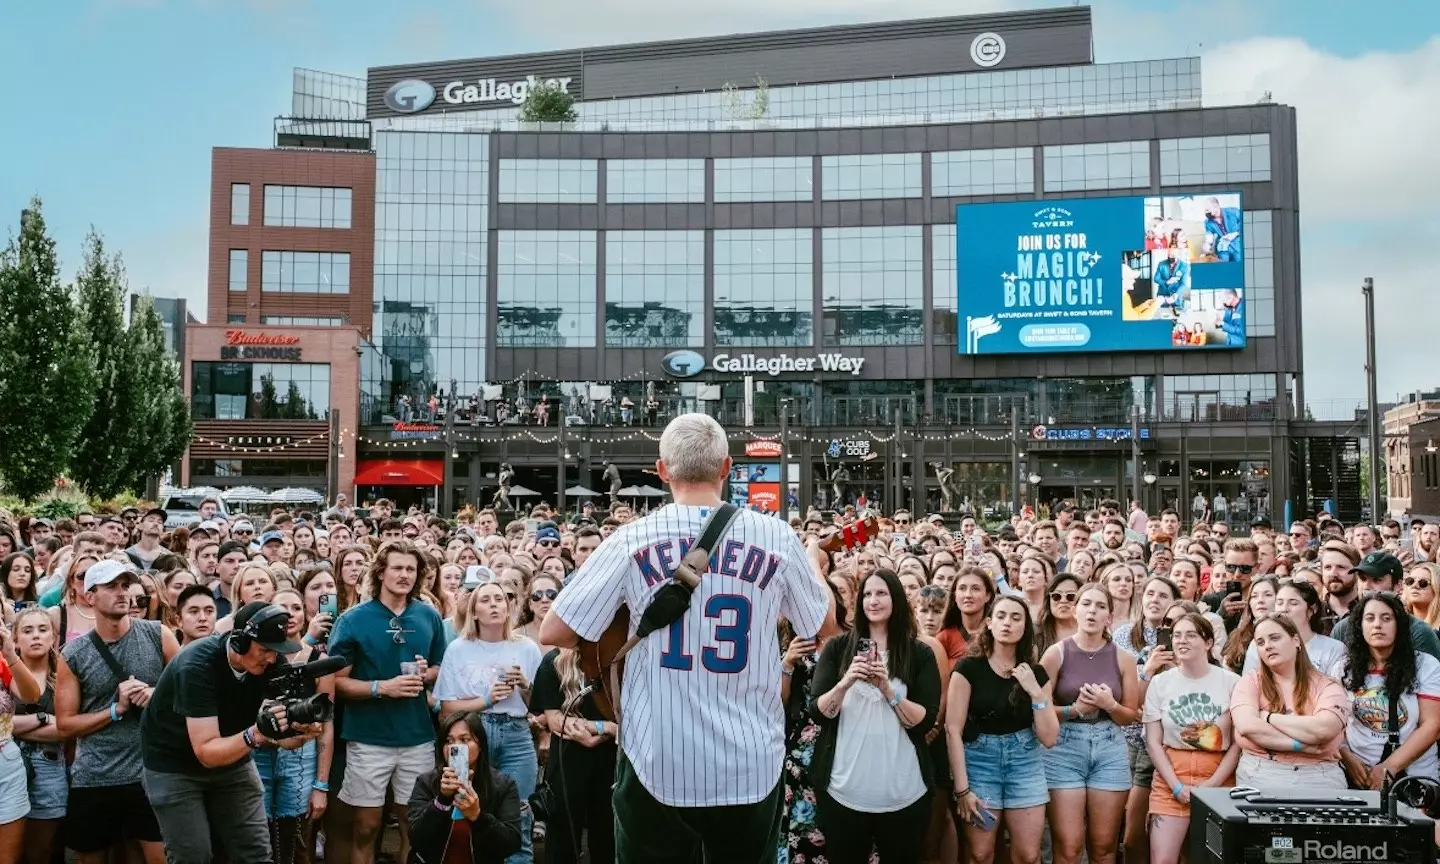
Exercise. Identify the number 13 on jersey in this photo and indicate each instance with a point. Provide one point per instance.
(731, 651)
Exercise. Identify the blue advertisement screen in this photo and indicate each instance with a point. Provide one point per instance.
(1101, 274)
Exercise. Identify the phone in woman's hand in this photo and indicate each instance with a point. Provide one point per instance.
(328, 605)
(983, 818)
(457, 756)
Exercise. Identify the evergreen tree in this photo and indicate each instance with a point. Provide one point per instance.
(157, 379)
(269, 401)
(47, 366)
(111, 438)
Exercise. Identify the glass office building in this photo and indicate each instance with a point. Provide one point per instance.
(764, 227)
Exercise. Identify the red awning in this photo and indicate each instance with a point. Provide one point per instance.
(400, 472)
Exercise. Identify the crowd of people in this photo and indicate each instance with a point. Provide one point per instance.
(1035, 690)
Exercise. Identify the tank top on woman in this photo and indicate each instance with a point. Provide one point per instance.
(1079, 667)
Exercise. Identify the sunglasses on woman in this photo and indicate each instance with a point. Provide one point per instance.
(1413, 582)
(544, 594)
(1063, 596)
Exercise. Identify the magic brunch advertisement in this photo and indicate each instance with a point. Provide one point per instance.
(1101, 274)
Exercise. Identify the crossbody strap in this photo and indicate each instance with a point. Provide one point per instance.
(1392, 739)
(104, 651)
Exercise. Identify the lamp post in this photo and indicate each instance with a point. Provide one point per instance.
(1149, 479)
(1035, 488)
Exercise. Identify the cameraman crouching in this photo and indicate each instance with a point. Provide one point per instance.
(203, 721)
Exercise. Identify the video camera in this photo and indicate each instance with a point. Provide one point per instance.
(293, 686)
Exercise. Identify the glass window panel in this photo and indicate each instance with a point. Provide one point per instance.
(239, 203)
(547, 289)
(288, 272)
(307, 207)
(764, 288)
(874, 175)
(764, 179)
(239, 269)
(260, 391)
(873, 286)
(983, 172)
(633, 181)
(1215, 159)
(548, 181)
(1080, 167)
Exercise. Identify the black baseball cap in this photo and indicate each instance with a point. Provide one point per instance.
(1380, 564)
(268, 627)
(232, 546)
(154, 510)
(1262, 523)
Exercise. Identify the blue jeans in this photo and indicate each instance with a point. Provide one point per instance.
(512, 753)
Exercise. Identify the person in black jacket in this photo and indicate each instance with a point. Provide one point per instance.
(876, 693)
(488, 806)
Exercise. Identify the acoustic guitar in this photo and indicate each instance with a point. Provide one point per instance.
(603, 661)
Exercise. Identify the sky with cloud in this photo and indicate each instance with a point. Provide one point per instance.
(116, 104)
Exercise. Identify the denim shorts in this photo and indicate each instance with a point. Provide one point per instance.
(1089, 756)
(1006, 772)
(1142, 770)
(49, 781)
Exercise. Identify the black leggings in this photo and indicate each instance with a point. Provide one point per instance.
(582, 800)
(850, 835)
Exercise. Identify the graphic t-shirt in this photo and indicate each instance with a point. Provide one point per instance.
(1369, 725)
(1190, 710)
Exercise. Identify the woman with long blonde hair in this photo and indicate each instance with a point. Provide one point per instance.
(40, 741)
(253, 583)
(489, 670)
(581, 761)
(1418, 589)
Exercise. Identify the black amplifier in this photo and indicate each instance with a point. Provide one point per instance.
(1231, 826)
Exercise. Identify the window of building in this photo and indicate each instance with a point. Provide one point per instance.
(983, 172)
(307, 206)
(239, 269)
(259, 391)
(1080, 167)
(302, 321)
(764, 288)
(1259, 251)
(235, 318)
(305, 272)
(1098, 401)
(779, 178)
(872, 175)
(945, 301)
(546, 289)
(548, 181)
(636, 181)
(654, 288)
(1215, 159)
(1219, 398)
(239, 203)
(1231, 490)
(986, 401)
(873, 286)
(258, 467)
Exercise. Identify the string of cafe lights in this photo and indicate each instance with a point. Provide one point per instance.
(462, 437)
(272, 448)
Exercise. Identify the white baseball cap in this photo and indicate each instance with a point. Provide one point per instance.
(106, 572)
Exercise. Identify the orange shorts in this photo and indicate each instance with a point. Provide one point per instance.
(1192, 767)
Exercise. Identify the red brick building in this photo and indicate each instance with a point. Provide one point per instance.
(273, 375)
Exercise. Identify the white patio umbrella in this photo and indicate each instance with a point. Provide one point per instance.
(245, 495)
(581, 492)
(523, 492)
(296, 495)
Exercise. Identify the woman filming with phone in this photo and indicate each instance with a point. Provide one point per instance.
(463, 803)
(998, 717)
(879, 694)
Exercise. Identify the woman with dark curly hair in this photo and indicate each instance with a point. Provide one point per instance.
(1394, 697)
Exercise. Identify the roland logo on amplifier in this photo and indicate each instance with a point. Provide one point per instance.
(1321, 850)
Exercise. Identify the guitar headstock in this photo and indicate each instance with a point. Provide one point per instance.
(857, 533)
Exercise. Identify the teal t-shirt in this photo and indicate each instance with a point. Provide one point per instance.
(376, 641)
(51, 598)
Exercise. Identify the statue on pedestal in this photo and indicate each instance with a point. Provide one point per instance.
(839, 479)
(611, 476)
(501, 501)
(943, 473)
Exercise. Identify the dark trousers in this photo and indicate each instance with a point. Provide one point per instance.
(225, 804)
(850, 835)
(582, 780)
(648, 832)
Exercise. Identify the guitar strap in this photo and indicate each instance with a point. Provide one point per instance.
(695, 563)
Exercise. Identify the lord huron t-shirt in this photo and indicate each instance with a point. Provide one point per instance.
(1190, 710)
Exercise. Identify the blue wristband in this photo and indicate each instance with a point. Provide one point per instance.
(1176, 790)
(374, 689)
(114, 712)
(1295, 745)
(311, 640)
(599, 727)
(320, 786)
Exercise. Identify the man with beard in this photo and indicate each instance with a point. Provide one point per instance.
(1337, 563)
(396, 642)
(1112, 535)
(1363, 538)
(152, 527)
(1381, 571)
(1427, 542)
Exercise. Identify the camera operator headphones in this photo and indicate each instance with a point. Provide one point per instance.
(241, 640)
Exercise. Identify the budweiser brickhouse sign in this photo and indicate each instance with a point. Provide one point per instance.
(245, 345)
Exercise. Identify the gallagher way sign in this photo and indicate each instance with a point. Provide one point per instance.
(688, 364)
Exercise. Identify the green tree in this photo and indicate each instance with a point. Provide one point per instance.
(157, 379)
(109, 440)
(47, 366)
(548, 103)
(269, 400)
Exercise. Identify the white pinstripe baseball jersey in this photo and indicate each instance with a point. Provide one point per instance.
(701, 718)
